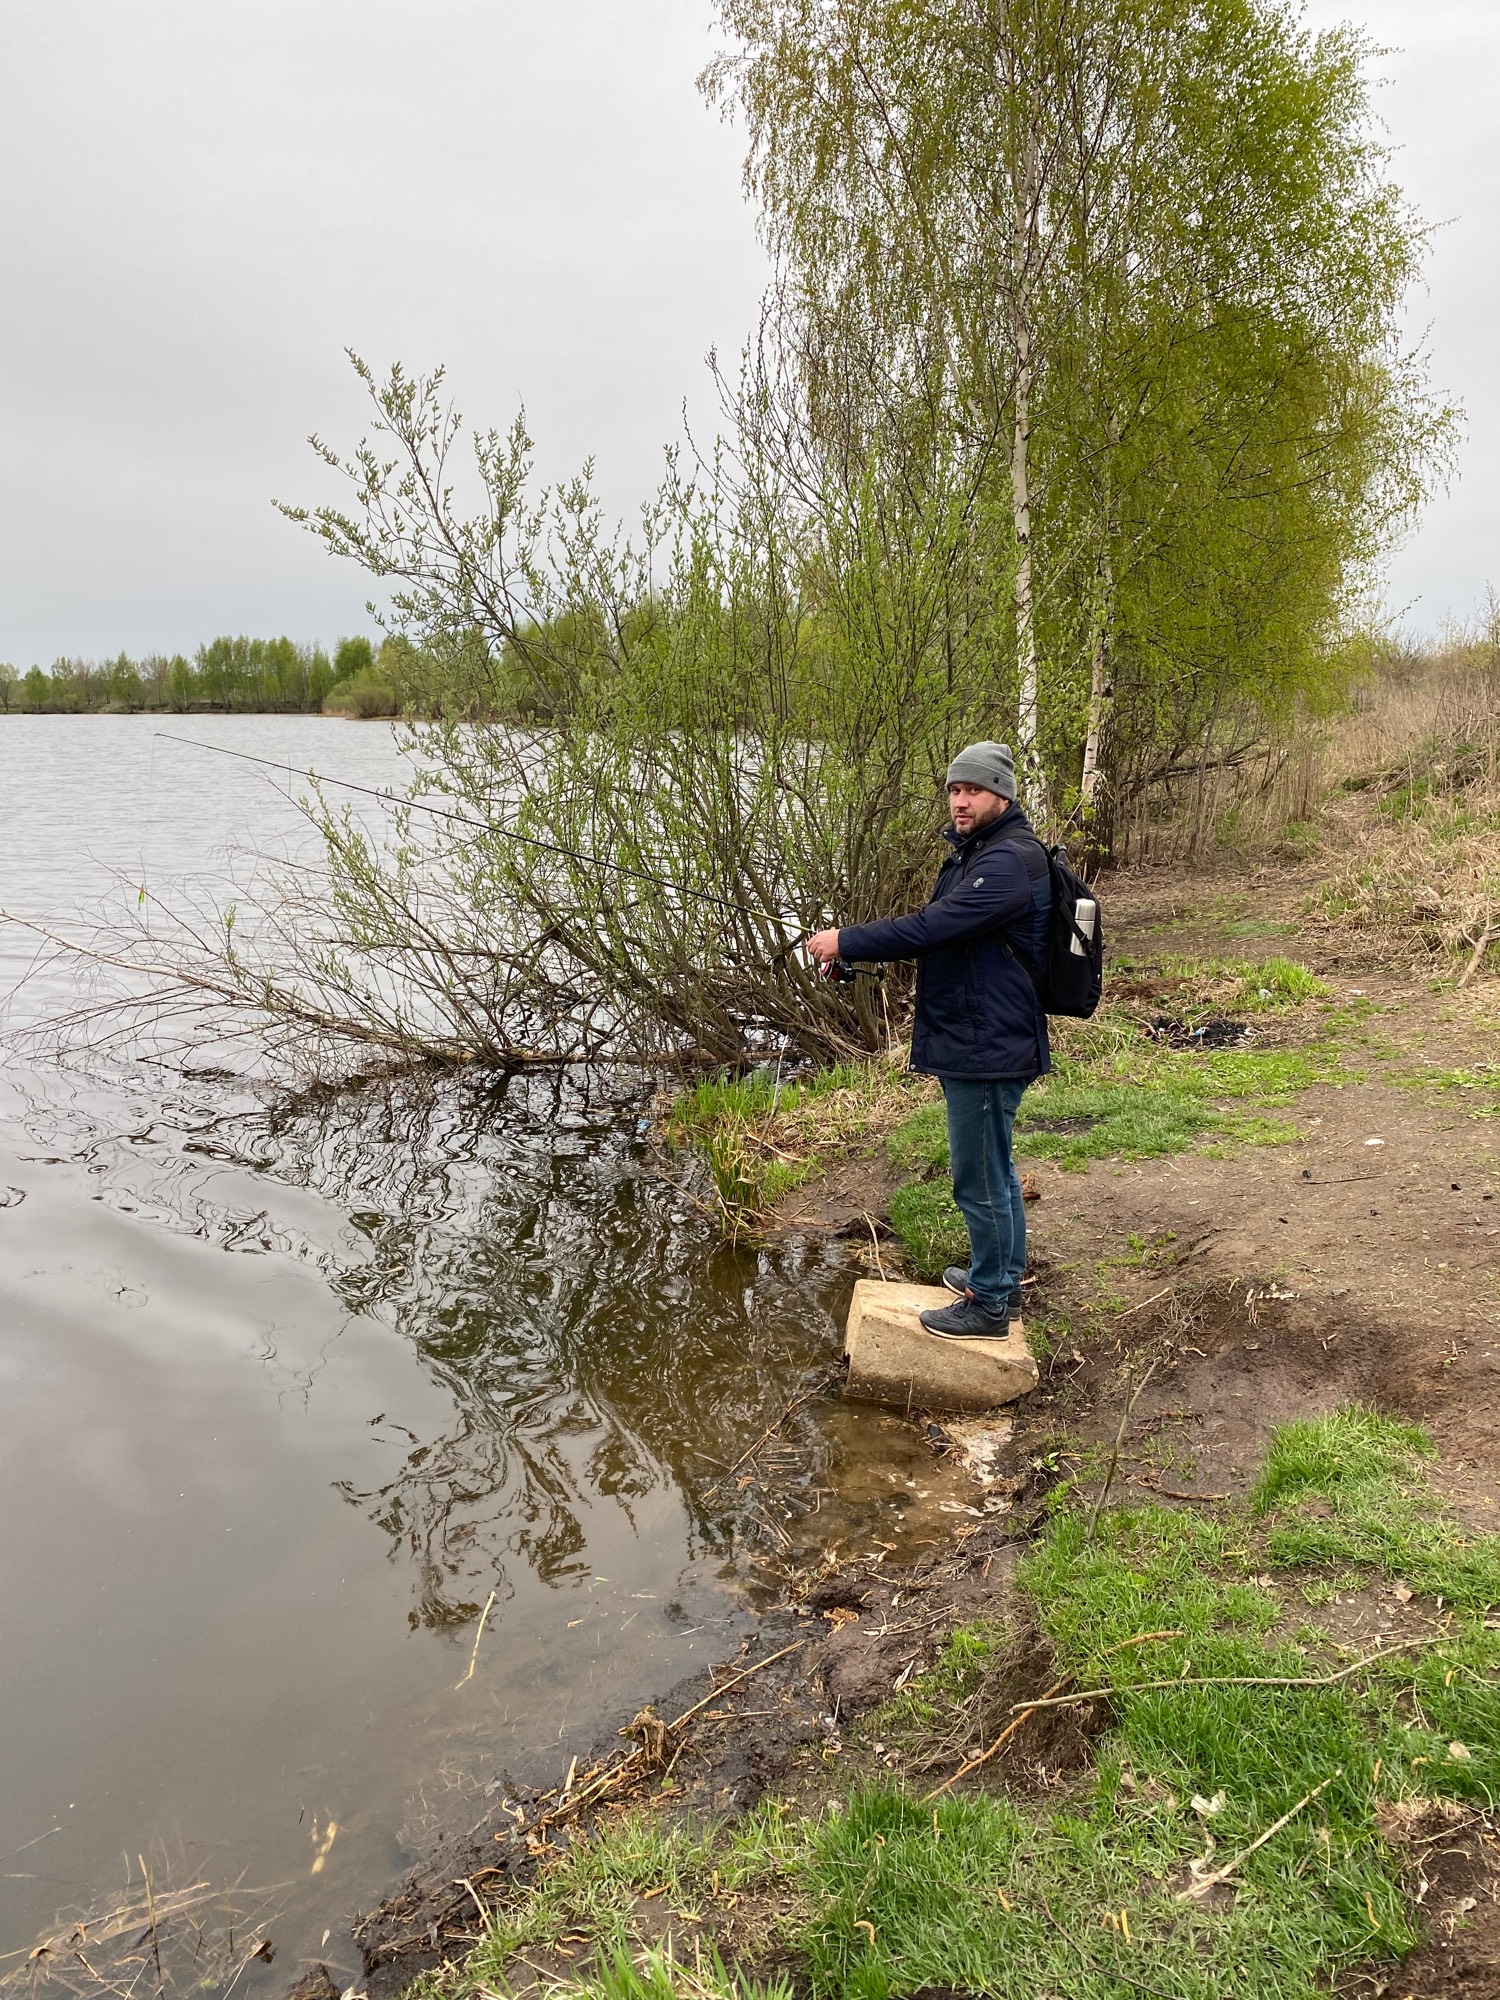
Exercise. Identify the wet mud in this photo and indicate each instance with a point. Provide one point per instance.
(1229, 1365)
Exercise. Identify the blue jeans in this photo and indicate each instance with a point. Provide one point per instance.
(986, 1185)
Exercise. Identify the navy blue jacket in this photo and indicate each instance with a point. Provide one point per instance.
(977, 1012)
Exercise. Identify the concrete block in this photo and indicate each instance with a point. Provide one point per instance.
(894, 1359)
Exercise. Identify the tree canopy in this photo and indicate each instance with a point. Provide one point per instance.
(1078, 415)
(1141, 261)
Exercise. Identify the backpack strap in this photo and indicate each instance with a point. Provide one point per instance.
(1038, 865)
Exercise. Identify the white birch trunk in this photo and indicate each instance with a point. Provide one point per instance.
(1027, 722)
(1101, 687)
(1028, 714)
(1099, 692)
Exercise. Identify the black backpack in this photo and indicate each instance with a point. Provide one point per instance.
(1070, 977)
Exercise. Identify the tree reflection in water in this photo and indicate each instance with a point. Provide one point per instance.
(598, 1340)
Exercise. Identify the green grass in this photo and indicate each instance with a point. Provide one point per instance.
(1280, 982)
(748, 1130)
(904, 1894)
(872, 1890)
(1143, 1101)
(976, 1894)
(1346, 1492)
(1217, 985)
(925, 1217)
(752, 1096)
(1235, 915)
(1114, 1095)
(1231, 916)
(922, 1139)
(657, 1975)
(594, 1892)
(1478, 1087)
(594, 1888)
(1141, 1252)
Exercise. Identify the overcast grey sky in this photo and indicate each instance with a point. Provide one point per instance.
(205, 201)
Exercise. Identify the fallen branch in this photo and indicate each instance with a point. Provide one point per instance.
(733, 1681)
(1141, 1307)
(1203, 1884)
(1027, 1709)
(269, 999)
(973, 1763)
(1487, 937)
(1176, 1493)
(474, 1656)
(875, 1246)
(1238, 1680)
(1114, 1457)
(507, 1003)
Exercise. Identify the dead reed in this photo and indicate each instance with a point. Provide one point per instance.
(152, 1936)
(1391, 807)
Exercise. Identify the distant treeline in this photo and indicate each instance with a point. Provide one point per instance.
(242, 676)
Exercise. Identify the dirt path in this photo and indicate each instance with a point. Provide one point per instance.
(1360, 1263)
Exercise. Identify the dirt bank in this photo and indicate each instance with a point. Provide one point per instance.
(1356, 1260)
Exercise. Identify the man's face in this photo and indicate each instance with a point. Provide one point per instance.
(971, 806)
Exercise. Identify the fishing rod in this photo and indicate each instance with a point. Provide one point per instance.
(489, 826)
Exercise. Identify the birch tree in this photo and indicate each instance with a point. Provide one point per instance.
(1143, 257)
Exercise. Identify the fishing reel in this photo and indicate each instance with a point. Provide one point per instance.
(842, 973)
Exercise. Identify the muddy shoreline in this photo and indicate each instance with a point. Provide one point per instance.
(717, 1742)
(773, 1718)
(1354, 1261)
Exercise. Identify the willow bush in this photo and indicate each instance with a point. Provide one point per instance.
(1077, 416)
(670, 759)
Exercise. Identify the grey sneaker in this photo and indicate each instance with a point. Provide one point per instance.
(956, 1278)
(966, 1319)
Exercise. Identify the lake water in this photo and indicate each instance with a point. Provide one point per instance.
(291, 1382)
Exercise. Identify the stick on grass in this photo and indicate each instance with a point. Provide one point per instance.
(1199, 1888)
(1053, 1700)
(1114, 1458)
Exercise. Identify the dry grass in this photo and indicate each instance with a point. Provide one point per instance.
(1395, 805)
(156, 1935)
(1413, 823)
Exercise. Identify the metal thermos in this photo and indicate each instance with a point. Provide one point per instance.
(1087, 913)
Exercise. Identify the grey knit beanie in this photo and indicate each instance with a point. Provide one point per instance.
(988, 764)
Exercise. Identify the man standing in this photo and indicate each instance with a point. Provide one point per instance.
(979, 1027)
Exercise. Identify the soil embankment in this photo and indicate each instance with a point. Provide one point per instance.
(1190, 1300)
